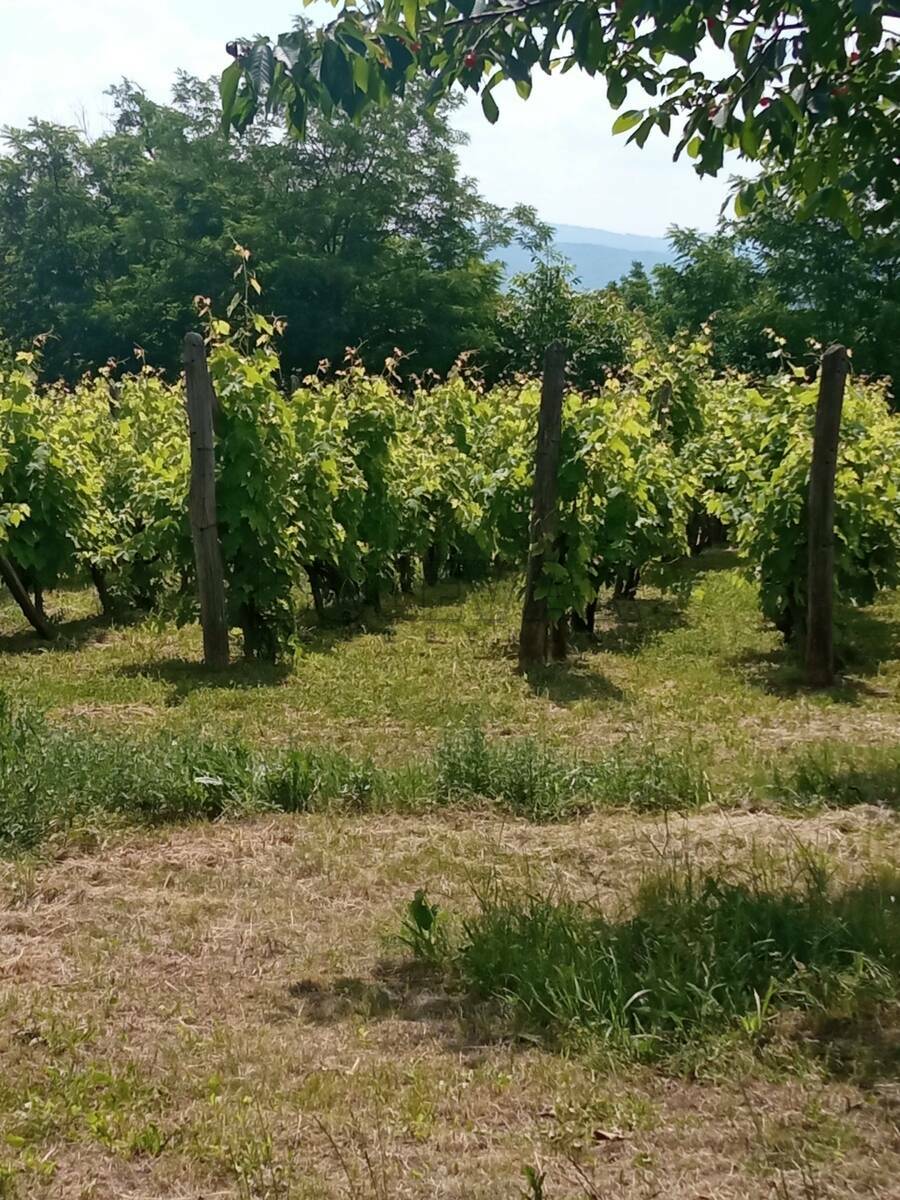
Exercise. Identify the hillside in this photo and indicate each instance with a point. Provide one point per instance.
(599, 256)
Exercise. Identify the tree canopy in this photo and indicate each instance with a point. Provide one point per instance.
(810, 88)
(365, 234)
(771, 288)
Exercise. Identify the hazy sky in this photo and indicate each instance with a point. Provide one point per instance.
(554, 151)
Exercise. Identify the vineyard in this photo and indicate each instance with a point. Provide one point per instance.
(377, 913)
(450, 729)
(343, 490)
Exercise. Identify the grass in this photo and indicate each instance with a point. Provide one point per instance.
(222, 1010)
(60, 783)
(699, 954)
(682, 699)
(842, 777)
(533, 781)
(194, 1004)
(692, 665)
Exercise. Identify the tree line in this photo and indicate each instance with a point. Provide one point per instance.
(367, 235)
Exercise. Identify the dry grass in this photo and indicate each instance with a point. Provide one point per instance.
(216, 1012)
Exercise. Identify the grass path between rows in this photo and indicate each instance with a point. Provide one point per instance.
(692, 663)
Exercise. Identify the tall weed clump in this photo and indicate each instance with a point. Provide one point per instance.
(530, 780)
(698, 955)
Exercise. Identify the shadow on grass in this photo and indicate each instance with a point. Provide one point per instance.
(410, 991)
(865, 1050)
(864, 642)
(867, 638)
(571, 682)
(70, 635)
(680, 576)
(780, 673)
(341, 624)
(627, 626)
(185, 677)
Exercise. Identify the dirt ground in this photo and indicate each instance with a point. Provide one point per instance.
(223, 1011)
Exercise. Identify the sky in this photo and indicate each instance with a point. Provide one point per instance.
(555, 151)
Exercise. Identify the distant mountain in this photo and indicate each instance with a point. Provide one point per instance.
(598, 256)
(582, 235)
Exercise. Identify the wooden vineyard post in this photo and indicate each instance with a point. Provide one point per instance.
(820, 572)
(32, 613)
(201, 406)
(534, 636)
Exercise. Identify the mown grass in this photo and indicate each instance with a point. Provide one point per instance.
(222, 1010)
(697, 955)
(689, 660)
(209, 1010)
(683, 698)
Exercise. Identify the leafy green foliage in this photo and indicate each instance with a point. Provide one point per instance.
(96, 478)
(545, 306)
(812, 91)
(754, 456)
(364, 235)
(353, 483)
(423, 930)
(698, 956)
(45, 482)
(806, 279)
(134, 431)
(256, 499)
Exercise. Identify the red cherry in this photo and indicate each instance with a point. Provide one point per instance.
(415, 47)
(840, 91)
(471, 60)
(765, 102)
(854, 57)
(711, 24)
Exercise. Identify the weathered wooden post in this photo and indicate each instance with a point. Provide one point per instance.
(33, 613)
(820, 572)
(201, 407)
(534, 636)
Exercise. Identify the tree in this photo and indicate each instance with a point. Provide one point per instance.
(805, 281)
(365, 234)
(830, 286)
(811, 88)
(716, 282)
(636, 288)
(544, 306)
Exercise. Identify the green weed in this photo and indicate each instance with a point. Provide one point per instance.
(423, 930)
(650, 778)
(698, 956)
(61, 781)
(309, 780)
(532, 781)
(56, 780)
(521, 776)
(823, 776)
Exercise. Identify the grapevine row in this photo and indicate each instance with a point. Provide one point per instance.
(348, 487)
